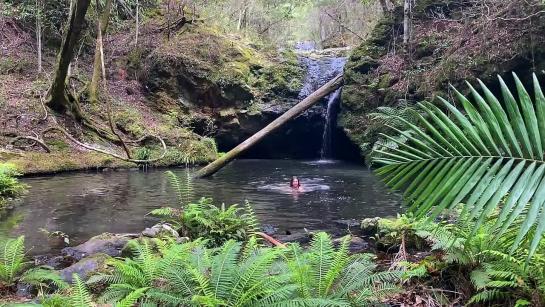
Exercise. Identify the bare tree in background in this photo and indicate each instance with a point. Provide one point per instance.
(137, 23)
(102, 26)
(39, 33)
(406, 22)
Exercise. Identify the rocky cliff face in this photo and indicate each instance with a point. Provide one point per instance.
(229, 89)
(452, 41)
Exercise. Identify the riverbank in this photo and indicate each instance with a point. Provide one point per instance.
(36, 163)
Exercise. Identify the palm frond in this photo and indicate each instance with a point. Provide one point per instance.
(480, 156)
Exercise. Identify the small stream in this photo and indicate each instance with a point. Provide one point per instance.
(86, 204)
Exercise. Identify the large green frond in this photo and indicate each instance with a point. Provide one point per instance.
(489, 156)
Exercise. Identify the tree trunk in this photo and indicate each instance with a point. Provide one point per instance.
(299, 108)
(58, 99)
(137, 23)
(39, 34)
(406, 22)
(102, 26)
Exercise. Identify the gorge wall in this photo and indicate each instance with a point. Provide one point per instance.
(451, 41)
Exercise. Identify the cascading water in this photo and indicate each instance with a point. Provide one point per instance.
(320, 69)
(330, 122)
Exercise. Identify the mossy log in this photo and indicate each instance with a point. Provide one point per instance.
(299, 108)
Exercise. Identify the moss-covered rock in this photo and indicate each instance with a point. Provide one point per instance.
(210, 69)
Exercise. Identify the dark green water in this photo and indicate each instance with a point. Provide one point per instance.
(86, 204)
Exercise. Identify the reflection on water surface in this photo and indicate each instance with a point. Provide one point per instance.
(86, 204)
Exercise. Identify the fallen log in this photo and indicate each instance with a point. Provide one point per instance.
(296, 110)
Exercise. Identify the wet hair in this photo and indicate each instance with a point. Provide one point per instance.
(292, 182)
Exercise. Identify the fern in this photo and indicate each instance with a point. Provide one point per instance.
(131, 298)
(334, 278)
(130, 275)
(496, 274)
(80, 296)
(12, 256)
(43, 278)
(183, 189)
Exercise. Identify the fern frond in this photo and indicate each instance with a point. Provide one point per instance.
(43, 277)
(487, 296)
(79, 296)
(131, 298)
(12, 256)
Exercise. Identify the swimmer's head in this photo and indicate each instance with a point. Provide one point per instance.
(294, 183)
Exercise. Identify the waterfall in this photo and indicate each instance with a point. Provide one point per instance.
(320, 67)
(330, 123)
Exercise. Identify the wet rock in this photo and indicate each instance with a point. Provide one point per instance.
(269, 229)
(56, 262)
(182, 240)
(160, 230)
(109, 244)
(85, 267)
(356, 244)
(24, 290)
(300, 237)
(349, 223)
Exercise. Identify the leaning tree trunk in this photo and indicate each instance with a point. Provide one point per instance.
(58, 99)
(299, 108)
(102, 27)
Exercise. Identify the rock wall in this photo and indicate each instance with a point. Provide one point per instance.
(227, 88)
(452, 41)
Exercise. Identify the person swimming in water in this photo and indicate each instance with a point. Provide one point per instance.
(294, 183)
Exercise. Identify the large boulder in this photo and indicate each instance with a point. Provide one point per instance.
(85, 267)
(106, 243)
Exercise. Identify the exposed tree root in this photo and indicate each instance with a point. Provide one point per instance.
(401, 256)
(35, 139)
(127, 159)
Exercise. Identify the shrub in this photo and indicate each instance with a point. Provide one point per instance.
(10, 187)
(238, 274)
(206, 220)
(203, 219)
(13, 267)
(495, 274)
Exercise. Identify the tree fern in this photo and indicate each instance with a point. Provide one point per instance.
(490, 152)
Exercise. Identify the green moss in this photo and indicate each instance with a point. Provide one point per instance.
(228, 69)
(46, 163)
(188, 153)
(130, 121)
(57, 145)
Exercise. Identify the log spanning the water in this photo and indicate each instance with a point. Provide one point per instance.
(296, 110)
